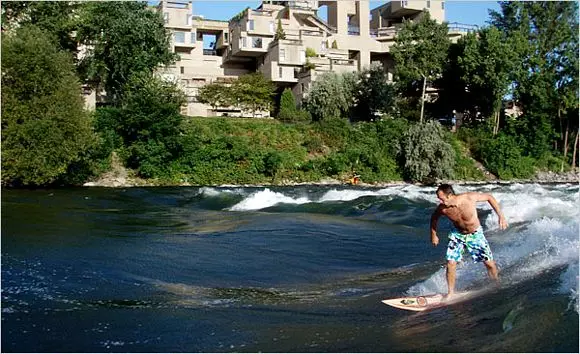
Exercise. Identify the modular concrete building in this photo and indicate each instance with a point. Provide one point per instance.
(350, 38)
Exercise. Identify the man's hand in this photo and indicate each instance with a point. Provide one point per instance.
(502, 223)
(434, 240)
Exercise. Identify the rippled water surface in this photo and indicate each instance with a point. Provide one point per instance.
(297, 269)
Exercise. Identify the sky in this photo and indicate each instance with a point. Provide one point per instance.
(465, 12)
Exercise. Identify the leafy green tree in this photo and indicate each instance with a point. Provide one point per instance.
(216, 95)
(546, 38)
(487, 62)
(254, 92)
(420, 51)
(331, 96)
(425, 153)
(122, 39)
(45, 128)
(373, 94)
(54, 17)
(150, 123)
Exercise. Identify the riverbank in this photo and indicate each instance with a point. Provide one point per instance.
(120, 177)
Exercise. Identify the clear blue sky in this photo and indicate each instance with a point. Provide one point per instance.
(467, 12)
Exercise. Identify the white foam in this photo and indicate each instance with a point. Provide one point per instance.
(266, 198)
(408, 192)
(214, 192)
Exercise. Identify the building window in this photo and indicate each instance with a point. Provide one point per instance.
(244, 44)
(428, 4)
(166, 17)
(179, 37)
(182, 70)
(282, 54)
(250, 25)
(193, 37)
(442, 5)
(226, 37)
(323, 45)
(188, 19)
(281, 71)
(404, 3)
(256, 42)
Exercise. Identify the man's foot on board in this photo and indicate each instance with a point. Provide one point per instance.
(448, 296)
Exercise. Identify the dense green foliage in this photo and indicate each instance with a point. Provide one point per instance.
(426, 154)
(288, 111)
(351, 123)
(45, 129)
(124, 39)
(250, 92)
(331, 96)
(373, 95)
(420, 51)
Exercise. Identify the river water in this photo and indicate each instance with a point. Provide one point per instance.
(294, 269)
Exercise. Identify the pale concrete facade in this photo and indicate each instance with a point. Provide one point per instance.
(247, 43)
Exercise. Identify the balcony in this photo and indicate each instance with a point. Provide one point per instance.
(384, 32)
(407, 7)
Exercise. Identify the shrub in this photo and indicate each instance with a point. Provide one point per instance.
(503, 157)
(330, 97)
(310, 52)
(425, 153)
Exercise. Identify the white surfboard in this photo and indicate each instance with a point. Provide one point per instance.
(427, 302)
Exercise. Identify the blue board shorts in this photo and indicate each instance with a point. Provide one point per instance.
(475, 243)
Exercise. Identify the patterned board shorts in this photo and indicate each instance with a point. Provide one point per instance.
(475, 243)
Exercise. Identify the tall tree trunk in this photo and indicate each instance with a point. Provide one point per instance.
(423, 98)
(496, 114)
(575, 149)
(565, 148)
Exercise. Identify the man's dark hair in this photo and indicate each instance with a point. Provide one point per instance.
(446, 188)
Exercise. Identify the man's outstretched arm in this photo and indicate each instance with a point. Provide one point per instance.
(434, 219)
(486, 197)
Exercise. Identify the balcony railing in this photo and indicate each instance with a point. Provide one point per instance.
(354, 30)
(462, 27)
(384, 32)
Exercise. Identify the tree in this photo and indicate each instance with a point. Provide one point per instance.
(150, 123)
(487, 61)
(373, 94)
(287, 105)
(122, 39)
(44, 126)
(280, 34)
(545, 37)
(331, 96)
(425, 154)
(254, 92)
(216, 95)
(420, 51)
(55, 17)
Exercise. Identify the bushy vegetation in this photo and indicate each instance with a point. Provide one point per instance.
(250, 92)
(45, 130)
(426, 154)
(349, 123)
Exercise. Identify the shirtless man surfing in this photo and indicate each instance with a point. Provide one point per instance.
(467, 233)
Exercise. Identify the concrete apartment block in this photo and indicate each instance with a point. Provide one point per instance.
(247, 43)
